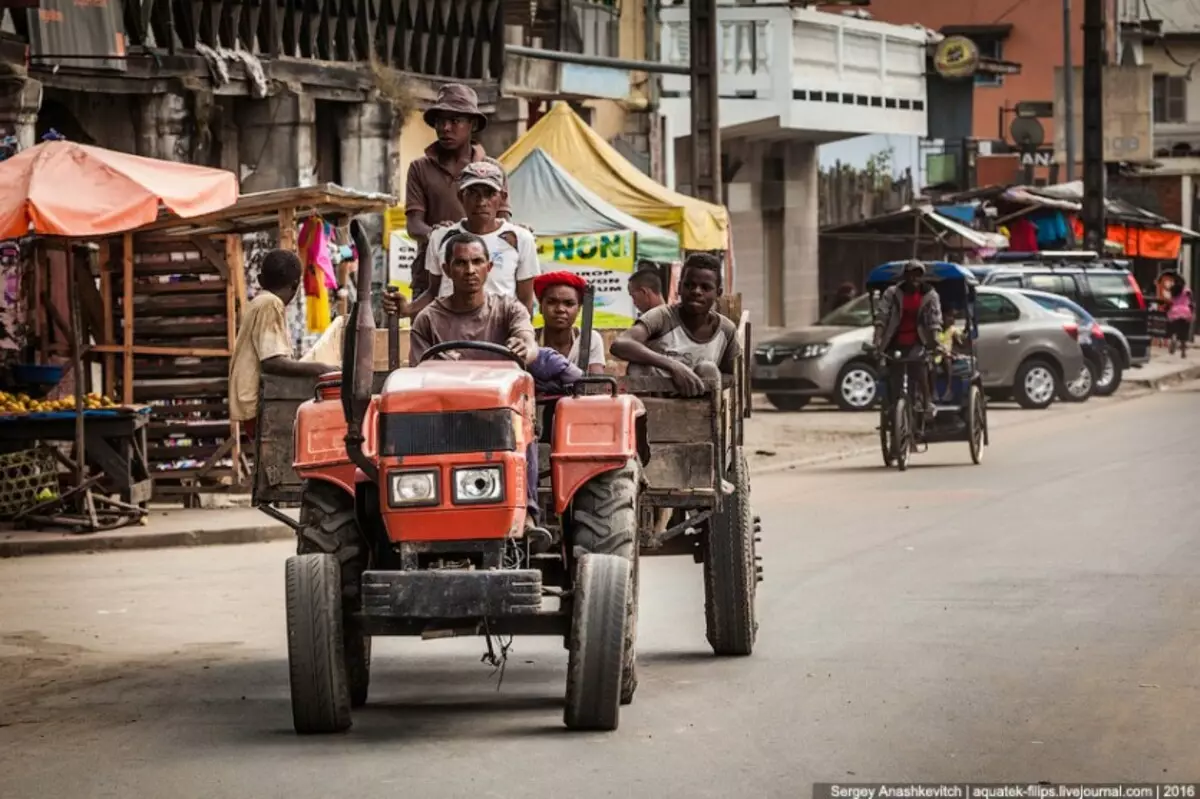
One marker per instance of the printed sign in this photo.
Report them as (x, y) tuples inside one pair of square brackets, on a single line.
[(401, 253), (605, 260), (956, 57)]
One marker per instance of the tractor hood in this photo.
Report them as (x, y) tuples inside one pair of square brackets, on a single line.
[(440, 386)]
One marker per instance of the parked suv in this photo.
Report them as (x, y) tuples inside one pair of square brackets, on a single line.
[(1104, 287)]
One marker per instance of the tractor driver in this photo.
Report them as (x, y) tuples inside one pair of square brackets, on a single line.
[(472, 314), (688, 341)]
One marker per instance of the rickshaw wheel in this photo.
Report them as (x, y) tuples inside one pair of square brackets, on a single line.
[(901, 433), (976, 423), (884, 444)]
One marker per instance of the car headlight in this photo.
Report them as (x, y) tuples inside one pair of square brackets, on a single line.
[(812, 351), (478, 485), (407, 489)]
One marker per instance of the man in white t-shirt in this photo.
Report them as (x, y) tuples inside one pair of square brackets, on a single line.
[(513, 249)]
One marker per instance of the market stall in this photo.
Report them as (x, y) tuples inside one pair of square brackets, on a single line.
[(178, 288), (50, 407)]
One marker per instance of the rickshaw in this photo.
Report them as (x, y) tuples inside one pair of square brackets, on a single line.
[(960, 402)]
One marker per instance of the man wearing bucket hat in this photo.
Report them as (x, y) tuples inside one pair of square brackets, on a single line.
[(431, 194), (909, 320)]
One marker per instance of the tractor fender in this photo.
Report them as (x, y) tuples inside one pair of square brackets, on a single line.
[(340, 475), (592, 435)]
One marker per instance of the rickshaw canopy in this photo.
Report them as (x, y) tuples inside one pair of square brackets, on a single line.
[(935, 272)]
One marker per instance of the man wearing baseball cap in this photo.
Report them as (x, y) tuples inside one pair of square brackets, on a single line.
[(513, 250), (431, 189)]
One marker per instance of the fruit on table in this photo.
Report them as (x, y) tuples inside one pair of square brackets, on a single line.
[(22, 403)]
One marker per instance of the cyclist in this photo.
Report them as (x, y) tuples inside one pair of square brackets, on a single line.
[(907, 326)]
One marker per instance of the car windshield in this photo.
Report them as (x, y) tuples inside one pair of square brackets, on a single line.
[(856, 313)]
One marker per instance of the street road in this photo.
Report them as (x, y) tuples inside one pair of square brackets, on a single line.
[(1033, 618)]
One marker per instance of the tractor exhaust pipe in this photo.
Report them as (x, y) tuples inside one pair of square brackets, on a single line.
[(358, 357)]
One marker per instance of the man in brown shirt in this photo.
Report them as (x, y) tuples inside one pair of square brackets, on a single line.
[(431, 191), (472, 314)]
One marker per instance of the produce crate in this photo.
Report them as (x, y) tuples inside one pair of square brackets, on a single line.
[(24, 475)]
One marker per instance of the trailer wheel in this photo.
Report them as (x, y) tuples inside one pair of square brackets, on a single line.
[(329, 526), (731, 569), (595, 664), (316, 656)]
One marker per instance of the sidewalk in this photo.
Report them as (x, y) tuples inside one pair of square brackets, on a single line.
[(1165, 370), (163, 528), (774, 441)]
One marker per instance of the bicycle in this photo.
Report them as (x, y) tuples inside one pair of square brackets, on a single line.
[(901, 430)]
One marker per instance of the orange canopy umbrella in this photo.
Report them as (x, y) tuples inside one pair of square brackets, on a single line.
[(61, 188)]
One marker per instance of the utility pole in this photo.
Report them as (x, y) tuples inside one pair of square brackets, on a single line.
[(1093, 125), (1068, 89), (706, 127)]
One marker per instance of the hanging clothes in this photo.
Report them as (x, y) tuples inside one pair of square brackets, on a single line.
[(1051, 230), (1022, 235), (313, 246)]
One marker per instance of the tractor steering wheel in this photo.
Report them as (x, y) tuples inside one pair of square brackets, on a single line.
[(482, 346)]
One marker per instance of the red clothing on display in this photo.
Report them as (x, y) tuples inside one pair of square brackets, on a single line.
[(910, 310), (1022, 236)]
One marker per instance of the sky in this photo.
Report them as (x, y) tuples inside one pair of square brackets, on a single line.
[(855, 152)]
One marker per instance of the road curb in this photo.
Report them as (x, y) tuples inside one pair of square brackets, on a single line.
[(58, 544), (1173, 379)]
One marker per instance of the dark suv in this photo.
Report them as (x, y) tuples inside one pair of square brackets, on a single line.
[(1103, 286)]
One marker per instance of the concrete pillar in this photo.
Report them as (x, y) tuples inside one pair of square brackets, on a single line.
[(507, 123), (801, 276), (370, 161), (165, 127), (20, 101), (277, 142)]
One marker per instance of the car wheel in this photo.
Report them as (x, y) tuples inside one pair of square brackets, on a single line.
[(788, 402), (1081, 388), (1036, 384), (857, 387), (1111, 374)]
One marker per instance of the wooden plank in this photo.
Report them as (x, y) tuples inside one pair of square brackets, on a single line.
[(171, 369), (127, 318), (106, 297), (181, 389), (204, 429), (177, 305), (235, 256), (164, 328), (187, 266), (680, 466), (202, 408), (655, 385), (678, 420), (170, 352), (230, 301), (287, 229), (211, 254), (182, 287)]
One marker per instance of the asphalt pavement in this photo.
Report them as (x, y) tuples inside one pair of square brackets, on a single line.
[(1033, 618)]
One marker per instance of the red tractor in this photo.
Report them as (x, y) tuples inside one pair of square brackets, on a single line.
[(412, 491)]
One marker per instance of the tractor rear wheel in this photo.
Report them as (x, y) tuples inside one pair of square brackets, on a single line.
[(316, 657), (731, 568), (595, 663), (328, 525)]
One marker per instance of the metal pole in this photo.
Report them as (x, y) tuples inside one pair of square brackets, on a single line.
[(1093, 125), (706, 127), (1068, 90)]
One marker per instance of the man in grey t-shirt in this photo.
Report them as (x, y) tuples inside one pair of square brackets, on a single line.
[(688, 341)]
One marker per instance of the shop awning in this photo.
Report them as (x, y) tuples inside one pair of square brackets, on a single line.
[(546, 197), (596, 164), (950, 232)]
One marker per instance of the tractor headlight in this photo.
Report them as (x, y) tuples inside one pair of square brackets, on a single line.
[(478, 485), (412, 488)]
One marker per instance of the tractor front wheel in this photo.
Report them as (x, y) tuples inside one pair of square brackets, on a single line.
[(596, 661), (316, 657)]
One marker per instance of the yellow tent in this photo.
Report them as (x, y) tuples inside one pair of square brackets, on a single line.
[(582, 152)]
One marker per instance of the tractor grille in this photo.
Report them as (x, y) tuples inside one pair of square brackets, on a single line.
[(405, 434)]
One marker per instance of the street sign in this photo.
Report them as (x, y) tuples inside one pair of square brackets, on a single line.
[(1038, 158), (1035, 109)]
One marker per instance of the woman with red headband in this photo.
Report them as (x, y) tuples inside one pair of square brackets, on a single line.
[(560, 296)]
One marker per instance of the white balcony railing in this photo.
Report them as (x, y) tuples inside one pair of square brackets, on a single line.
[(834, 75)]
